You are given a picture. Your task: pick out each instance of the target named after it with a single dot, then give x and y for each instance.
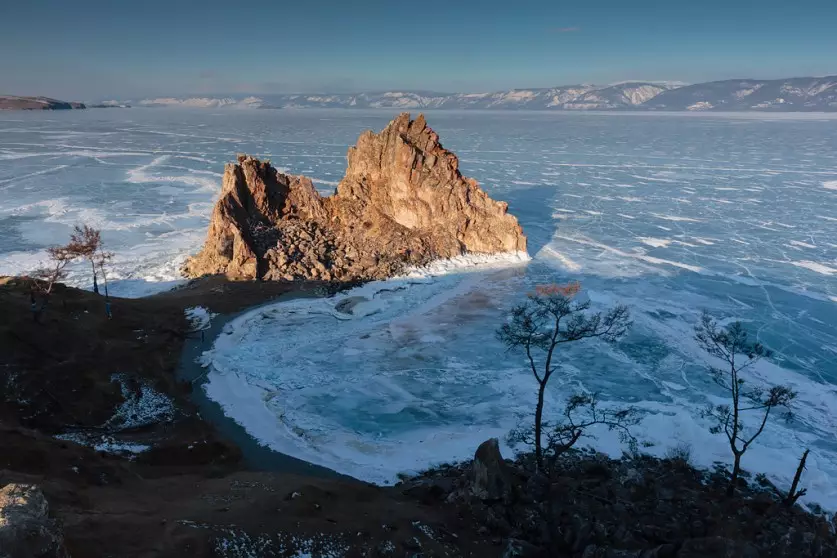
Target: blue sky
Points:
(95, 49)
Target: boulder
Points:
(490, 475)
(402, 202)
(26, 530)
(716, 547)
(515, 548)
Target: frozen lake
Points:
(670, 214)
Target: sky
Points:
(128, 49)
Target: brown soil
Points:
(190, 495)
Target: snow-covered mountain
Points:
(795, 94)
(203, 102)
(572, 97)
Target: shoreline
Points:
(255, 456)
(235, 403)
(194, 492)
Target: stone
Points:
(402, 202)
(490, 475)
(515, 548)
(26, 530)
(716, 547)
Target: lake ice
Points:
(670, 214)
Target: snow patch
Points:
(816, 267)
(467, 263)
(676, 218)
(104, 443)
(700, 105)
(199, 317)
(655, 242)
(142, 405)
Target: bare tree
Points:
(85, 243)
(795, 493)
(55, 270)
(550, 318)
(731, 345)
(581, 411)
(46, 277)
(100, 258)
(88, 242)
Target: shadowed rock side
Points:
(402, 202)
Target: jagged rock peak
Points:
(402, 202)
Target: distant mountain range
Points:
(794, 94)
(572, 97)
(779, 95)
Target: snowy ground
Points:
(199, 317)
(667, 213)
(142, 406)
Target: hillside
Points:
(11, 102)
(792, 94)
(795, 94)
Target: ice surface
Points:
(373, 351)
(669, 214)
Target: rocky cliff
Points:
(402, 202)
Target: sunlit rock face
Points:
(402, 202)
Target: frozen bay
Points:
(670, 214)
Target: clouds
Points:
(565, 29)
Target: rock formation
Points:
(25, 526)
(402, 202)
(490, 477)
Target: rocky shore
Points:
(188, 492)
(170, 486)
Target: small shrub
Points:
(681, 454)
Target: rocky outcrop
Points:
(25, 527)
(36, 103)
(586, 505)
(402, 202)
(490, 477)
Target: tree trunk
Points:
(793, 495)
(95, 284)
(104, 278)
(538, 425)
(736, 471)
